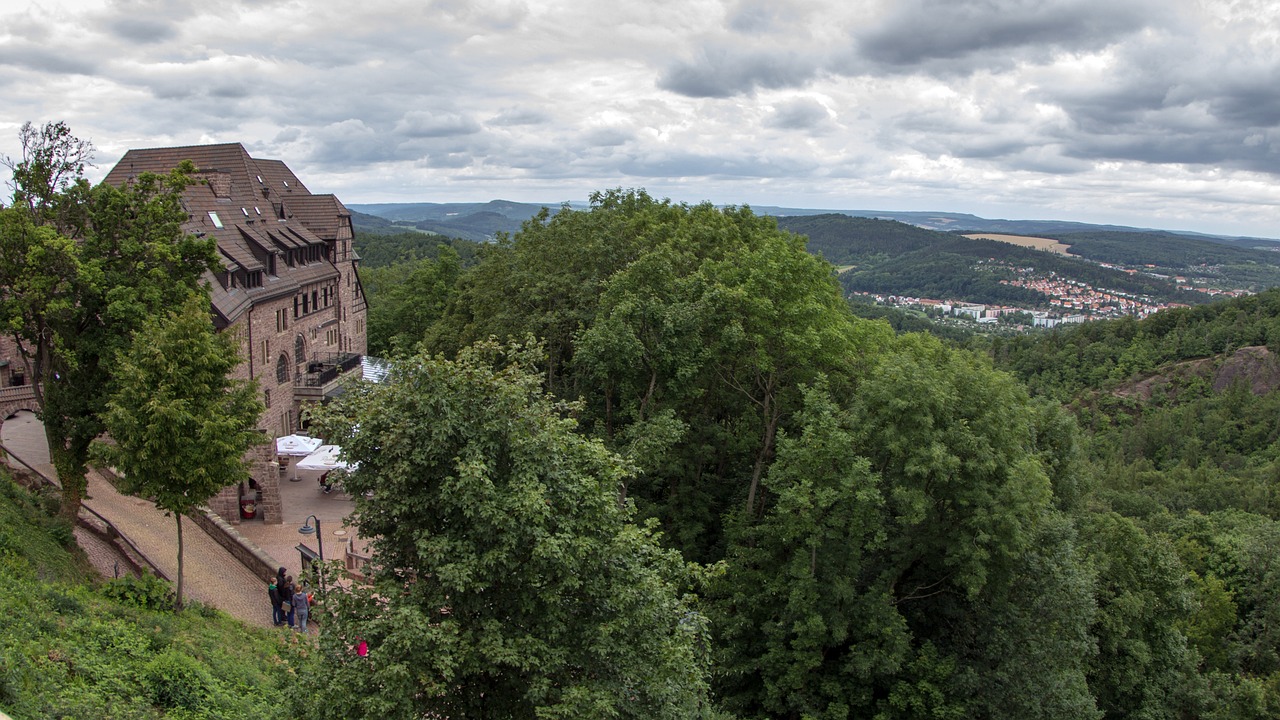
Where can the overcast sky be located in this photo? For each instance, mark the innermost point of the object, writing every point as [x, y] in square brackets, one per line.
[1156, 113]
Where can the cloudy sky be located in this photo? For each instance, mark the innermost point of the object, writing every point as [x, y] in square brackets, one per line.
[1157, 113]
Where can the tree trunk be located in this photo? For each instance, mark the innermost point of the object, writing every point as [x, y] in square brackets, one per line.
[71, 474]
[178, 601]
[771, 417]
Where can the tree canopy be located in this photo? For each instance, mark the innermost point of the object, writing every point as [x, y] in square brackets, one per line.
[179, 423]
[81, 268]
[508, 581]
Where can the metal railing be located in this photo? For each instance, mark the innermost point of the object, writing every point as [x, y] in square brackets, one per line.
[112, 530]
[324, 368]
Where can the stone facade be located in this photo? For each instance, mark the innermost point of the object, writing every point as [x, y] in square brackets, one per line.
[288, 290]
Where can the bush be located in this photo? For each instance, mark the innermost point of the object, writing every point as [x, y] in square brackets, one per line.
[61, 530]
[61, 602]
[8, 688]
[174, 681]
[148, 592]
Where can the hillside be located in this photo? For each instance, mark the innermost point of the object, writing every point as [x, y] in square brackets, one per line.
[72, 646]
[450, 218]
[890, 258]
[478, 222]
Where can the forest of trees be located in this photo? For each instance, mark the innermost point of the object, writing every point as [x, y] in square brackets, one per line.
[892, 258]
[644, 460]
[883, 525]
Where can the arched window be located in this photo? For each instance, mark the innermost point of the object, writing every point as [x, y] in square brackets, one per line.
[299, 349]
[282, 369]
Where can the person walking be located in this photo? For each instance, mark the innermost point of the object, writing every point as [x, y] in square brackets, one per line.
[301, 606]
[287, 593]
[277, 604]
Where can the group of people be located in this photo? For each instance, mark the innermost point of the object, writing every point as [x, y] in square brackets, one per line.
[290, 603]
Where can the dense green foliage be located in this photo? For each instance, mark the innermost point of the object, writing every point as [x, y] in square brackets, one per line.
[1259, 268]
[180, 425]
[72, 650]
[891, 258]
[382, 250]
[687, 332]
[81, 268]
[507, 580]
[408, 278]
[891, 528]
[1184, 451]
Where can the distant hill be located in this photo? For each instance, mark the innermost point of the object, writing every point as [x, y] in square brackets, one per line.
[963, 222]
[480, 221]
[893, 258]
[923, 253]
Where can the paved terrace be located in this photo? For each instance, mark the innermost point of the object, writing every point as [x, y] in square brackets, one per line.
[212, 575]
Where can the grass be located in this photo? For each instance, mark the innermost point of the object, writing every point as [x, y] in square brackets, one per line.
[73, 646]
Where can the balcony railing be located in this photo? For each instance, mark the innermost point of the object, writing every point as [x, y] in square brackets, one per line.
[325, 368]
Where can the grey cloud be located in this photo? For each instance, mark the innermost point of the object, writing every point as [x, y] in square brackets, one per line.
[607, 137]
[41, 58]
[751, 16]
[517, 116]
[1251, 102]
[142, 29]
[1161, 106]
[445, 160]
[799, 115]
[719, 72]
[696, 165]
[919, 31]
[350, 142]
[1046, 159]
[1224, 149]
[424, 123]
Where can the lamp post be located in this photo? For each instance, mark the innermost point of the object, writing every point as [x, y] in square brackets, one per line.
[307, 530]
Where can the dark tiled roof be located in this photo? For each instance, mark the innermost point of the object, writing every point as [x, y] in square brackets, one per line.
[280, 179]
[322, 214]
[244, 195]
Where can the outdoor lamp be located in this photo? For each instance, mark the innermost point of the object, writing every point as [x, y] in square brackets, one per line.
[307, 530]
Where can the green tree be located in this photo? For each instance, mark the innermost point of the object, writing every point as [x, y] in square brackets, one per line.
[802, 634]
[1144, 667]
[507, 580]
[407, 299]
[179, 424]
[80, 269]
[686, 330]
[908, 560]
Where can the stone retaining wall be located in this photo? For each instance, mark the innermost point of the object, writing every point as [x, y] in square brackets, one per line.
[242, 548]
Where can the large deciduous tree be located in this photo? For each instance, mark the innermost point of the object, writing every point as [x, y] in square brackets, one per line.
[81, 268]
[908, 562]
[508, 581]
[686, 330]
[179, 423]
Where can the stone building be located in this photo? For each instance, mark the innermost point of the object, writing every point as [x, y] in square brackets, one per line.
[288, 288]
